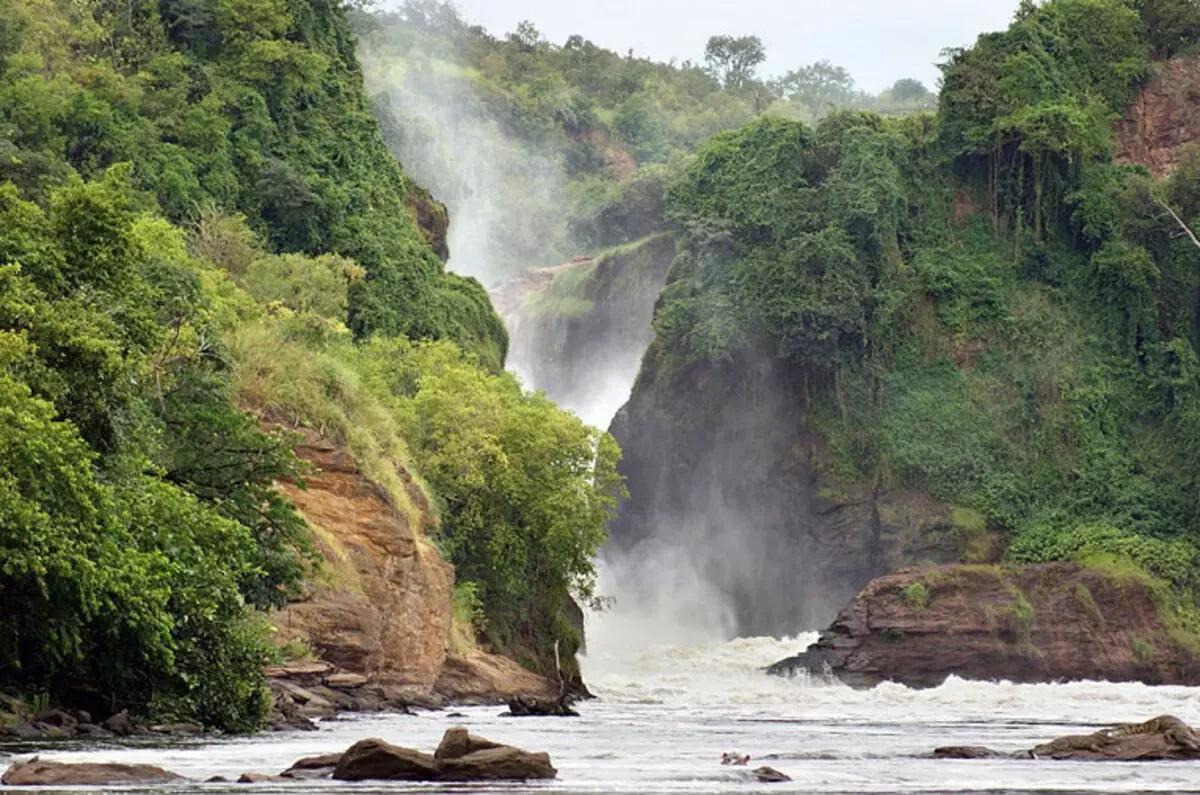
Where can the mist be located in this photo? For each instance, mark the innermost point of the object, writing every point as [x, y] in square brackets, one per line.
[505, 195]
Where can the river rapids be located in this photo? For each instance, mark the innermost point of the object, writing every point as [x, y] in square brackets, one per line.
[665, 714]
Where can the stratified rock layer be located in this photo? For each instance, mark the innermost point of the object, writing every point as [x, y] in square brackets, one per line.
[1040, 623]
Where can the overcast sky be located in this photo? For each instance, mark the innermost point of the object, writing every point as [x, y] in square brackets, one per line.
[877, 40]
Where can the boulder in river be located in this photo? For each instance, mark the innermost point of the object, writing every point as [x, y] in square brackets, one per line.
[313, 767]
[36, 772]
[464, 758]
[769, 775]
[1163, 738]
[1032, 623]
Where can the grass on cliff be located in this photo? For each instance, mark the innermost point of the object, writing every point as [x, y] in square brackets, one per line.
[1177, 611]
[322, 388]
[565, 296]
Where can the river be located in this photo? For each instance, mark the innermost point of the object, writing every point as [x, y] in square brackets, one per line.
[665, 714]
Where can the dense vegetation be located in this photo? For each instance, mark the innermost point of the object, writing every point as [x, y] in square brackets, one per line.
[980, 304]
[199, 216]
[581, 137]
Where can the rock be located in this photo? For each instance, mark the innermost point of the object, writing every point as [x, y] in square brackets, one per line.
[24, 730]
[480, 678]
[12, 705]
[91, 730]
[299, 669]
[216, 780]
[769, 775]
[1160, 124]
[965, 752]
[346, 680]
[458, 742]
[120, 724]
[377, 760]
[177, 729]
[1036, 623]
[499, 764]
[388, 616]
[1162, 738]
[369, 760]
[525, 706]
[36, 773]
[81, 715]
[312, 767]
[56, 718]
[258, 778]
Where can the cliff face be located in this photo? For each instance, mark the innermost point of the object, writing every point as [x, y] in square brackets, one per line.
[1023, 624]
[724, 467]
[381, 605]
[1164, 119]
[578, 330]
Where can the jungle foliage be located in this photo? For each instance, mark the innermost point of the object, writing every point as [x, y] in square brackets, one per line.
[203, 233]
[977, 304]
[582, 134]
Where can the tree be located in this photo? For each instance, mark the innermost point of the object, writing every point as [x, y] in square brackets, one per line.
[909, 90]
[821, 87]
[733, 61]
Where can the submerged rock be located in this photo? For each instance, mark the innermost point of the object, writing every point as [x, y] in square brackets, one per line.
[1036, 623]
[769, 775]
[36, 772]
[526, 706]
[313, 767]
[463, 758]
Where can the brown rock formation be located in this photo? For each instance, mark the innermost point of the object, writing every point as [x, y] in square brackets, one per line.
[1162, 738]
[380, 611]
[384, 607]
[1164, 119]
[38, 773]
[1038, 623]
[478, 678]
[462, 759]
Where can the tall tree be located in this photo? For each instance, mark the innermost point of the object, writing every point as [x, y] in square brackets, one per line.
[734, 60]
[821, 87]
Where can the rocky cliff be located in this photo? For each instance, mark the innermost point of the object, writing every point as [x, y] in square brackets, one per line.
[381, 603]
[1164, 119]
[578, 330]
[725, 468]
[1017, 623]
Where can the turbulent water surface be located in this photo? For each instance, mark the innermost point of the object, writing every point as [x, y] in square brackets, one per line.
[666, 714]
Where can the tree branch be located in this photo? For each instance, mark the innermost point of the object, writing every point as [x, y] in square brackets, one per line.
[1179, 221]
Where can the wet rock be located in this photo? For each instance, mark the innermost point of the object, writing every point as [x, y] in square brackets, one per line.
[57, 719]
[377, 760]
[525, 706]
[216, 780]
[36, 773]
[120, 724]
[258, 778]
[91, 730]
[373, 759]
[1036, 623]
[769, 775]
[24, 730]
[312, 767]
[499, 764]
[458, 742]
[1162, 738]
[965, 752]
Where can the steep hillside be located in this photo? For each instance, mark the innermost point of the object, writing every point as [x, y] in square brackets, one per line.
[201, 226]
[978, 307]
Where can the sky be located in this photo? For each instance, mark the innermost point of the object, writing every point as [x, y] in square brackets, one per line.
[878, 41]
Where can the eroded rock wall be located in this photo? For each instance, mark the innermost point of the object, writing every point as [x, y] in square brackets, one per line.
[381, 606]
[1164, 119]
[1035, 623]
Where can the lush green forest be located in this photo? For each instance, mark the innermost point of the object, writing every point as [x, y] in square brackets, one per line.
[978, 304]
[203, 235]
[583, 137]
